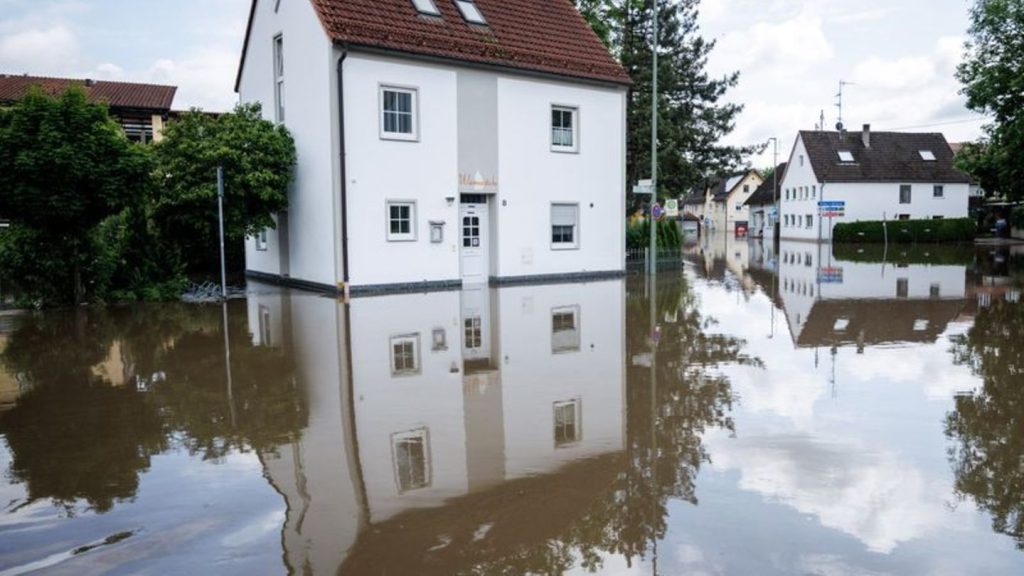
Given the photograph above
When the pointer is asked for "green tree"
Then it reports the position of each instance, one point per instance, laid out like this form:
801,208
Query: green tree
257,156
65,166
598,14
992,75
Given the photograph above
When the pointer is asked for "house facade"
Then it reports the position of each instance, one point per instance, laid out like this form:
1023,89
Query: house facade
141,109
727,206
877,175
440,142
763,204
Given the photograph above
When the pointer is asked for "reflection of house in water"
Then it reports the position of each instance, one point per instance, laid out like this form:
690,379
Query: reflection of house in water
422,404
717,254
10,388
831,302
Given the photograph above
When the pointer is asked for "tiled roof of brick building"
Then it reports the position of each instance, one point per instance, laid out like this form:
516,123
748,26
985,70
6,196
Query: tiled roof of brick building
891,157
114,94
547,36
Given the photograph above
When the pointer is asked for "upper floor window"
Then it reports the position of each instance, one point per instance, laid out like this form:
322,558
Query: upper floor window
563,129
398,109
904,193
405,355
938,191
279,78
564,226
426,7
470,12
261,240
565,329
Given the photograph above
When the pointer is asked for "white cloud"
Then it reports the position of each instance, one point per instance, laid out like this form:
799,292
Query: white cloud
204,78
28,50
788,45
901,73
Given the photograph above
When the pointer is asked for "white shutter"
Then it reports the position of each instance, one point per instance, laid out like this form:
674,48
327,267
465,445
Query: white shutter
564,214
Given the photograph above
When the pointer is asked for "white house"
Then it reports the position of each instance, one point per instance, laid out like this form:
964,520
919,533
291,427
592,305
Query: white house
878,175
762,205
722,204
440,142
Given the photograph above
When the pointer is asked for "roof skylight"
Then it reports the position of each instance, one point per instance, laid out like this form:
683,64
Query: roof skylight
845,156
426,7
927,155
470,12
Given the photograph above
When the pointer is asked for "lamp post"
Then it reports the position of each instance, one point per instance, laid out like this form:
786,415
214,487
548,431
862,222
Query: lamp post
775,183
653,249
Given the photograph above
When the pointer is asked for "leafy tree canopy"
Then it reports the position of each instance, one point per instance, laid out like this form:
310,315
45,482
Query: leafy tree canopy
992,75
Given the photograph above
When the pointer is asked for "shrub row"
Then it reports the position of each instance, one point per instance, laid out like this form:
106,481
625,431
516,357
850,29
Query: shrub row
907,231
667,232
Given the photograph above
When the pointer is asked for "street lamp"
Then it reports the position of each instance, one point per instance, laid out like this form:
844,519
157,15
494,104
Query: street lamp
775,183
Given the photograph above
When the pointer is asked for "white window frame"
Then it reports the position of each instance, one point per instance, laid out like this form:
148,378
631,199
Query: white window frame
938,191
927,155
423,435
846,156
261,241
409,236
577,409
575,112
574,311
403,339
910,194
471,12
427,7
575,244
279,86
385,134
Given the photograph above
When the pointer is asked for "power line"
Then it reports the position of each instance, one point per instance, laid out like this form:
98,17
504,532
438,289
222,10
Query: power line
949,123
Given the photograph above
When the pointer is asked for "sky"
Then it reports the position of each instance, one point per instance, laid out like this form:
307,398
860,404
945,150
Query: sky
791,55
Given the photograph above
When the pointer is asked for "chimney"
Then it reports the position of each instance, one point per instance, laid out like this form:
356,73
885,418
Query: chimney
89,82
866,136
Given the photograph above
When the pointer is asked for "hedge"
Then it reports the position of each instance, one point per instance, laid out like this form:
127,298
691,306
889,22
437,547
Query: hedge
907,231
668,236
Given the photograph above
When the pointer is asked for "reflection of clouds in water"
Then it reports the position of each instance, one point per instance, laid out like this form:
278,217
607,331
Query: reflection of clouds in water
831,565
873,496
615,565
695,563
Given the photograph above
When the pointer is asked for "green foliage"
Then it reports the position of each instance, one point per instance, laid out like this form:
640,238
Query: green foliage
1017,217
992,74
948,255
65,166
598,14
667,234
257,157
905,231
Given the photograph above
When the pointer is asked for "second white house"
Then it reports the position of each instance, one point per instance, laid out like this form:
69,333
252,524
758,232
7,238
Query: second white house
875,175
440,142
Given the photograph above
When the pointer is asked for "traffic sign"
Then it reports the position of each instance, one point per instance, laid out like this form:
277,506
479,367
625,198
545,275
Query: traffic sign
832,204
644,187
672,208
657,211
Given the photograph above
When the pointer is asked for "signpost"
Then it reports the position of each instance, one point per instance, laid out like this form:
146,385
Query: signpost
672,208
644,187
830,209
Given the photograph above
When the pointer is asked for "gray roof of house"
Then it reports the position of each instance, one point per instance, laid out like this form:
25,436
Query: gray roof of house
892,157
764,193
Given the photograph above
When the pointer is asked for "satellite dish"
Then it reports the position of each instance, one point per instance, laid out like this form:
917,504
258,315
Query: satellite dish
839,126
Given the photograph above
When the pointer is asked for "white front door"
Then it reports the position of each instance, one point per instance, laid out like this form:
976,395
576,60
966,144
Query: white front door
473,239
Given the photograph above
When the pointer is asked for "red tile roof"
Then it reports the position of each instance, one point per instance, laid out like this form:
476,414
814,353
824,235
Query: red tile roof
115,94
547,36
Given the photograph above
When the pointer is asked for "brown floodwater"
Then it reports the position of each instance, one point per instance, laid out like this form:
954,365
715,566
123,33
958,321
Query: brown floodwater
799,410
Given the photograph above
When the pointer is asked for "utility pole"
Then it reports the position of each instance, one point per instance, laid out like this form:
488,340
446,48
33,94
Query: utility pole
220,217
775,184
653,249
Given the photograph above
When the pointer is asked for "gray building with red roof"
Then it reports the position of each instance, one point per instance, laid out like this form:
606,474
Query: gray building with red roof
834,177
141,109
440,142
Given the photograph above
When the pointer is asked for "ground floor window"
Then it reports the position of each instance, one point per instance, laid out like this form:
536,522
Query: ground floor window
809,221
411,459
261,241
401,221
904,216
405,355
567,422
564,226
565,329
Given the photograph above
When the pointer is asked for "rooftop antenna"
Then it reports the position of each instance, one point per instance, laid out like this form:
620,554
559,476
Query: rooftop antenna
839,103
821,123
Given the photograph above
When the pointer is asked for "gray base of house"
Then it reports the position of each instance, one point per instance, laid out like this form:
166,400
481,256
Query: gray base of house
432,286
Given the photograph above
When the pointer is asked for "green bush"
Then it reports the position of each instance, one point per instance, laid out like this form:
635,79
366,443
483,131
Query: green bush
667,232
906,231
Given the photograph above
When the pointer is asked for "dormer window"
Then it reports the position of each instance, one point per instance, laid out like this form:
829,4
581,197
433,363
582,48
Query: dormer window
927,155
845,156
470,12
426,7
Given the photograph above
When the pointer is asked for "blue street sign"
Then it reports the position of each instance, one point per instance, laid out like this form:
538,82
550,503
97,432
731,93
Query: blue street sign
832,204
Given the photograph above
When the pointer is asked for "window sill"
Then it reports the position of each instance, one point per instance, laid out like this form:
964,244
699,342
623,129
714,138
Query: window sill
565,247
398,137
565,150
401,239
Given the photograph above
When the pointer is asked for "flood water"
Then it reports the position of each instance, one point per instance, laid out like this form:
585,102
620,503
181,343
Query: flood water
799,411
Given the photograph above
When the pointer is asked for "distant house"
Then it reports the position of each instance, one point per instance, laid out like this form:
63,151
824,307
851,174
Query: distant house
762,204
890,175
727,209
440,143
141,109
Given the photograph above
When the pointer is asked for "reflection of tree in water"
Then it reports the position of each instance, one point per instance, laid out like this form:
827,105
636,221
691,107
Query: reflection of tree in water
83,430
664,451
75,434
988,427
